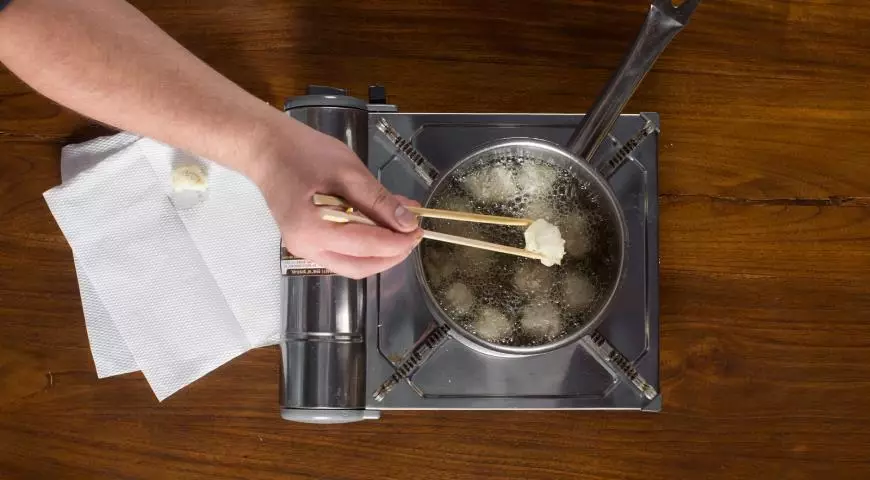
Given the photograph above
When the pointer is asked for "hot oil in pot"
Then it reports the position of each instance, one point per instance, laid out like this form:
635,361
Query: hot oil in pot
512,300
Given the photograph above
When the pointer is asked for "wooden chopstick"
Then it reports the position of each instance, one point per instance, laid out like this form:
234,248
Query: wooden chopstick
474,243
470,217
328,200
338,216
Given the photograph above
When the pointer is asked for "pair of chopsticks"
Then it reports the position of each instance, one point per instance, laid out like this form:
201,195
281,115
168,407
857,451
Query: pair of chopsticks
330,206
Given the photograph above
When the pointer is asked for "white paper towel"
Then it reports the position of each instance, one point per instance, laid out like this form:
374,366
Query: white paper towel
175,292
110,352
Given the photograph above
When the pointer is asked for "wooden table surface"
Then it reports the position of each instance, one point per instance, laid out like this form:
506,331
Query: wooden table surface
765,249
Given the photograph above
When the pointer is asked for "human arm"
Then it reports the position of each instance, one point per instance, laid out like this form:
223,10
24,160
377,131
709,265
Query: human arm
106,60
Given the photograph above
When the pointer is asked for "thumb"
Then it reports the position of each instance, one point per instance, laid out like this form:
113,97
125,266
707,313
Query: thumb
365,193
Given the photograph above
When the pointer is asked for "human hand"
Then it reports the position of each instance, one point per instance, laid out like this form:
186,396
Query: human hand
310,162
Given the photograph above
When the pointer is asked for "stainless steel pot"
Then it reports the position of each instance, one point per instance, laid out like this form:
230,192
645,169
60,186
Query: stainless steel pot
663,22
553,154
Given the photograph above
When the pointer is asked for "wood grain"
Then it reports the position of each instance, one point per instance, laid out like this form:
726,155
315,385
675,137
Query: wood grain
765,249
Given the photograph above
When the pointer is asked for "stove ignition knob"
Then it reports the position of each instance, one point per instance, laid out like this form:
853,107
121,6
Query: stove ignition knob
377,95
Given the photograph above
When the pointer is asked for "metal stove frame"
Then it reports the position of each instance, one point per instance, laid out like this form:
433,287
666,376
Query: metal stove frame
616,368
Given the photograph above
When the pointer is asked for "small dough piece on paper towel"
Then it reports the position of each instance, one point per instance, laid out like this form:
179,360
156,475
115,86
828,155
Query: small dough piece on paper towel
189,185
189,178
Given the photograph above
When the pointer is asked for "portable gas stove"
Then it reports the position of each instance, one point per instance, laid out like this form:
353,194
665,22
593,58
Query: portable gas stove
353,349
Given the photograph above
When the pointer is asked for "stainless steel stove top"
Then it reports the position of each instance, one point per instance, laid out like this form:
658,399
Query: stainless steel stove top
616,368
